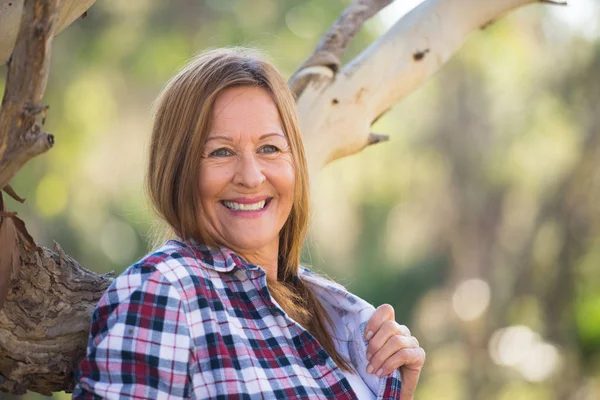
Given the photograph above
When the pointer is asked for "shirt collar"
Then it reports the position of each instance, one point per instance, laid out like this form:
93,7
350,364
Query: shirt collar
220,259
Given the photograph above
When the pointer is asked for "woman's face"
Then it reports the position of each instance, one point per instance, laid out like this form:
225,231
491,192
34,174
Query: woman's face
246,181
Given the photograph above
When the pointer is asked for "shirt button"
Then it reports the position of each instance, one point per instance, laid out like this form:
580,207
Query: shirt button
276,311
322,358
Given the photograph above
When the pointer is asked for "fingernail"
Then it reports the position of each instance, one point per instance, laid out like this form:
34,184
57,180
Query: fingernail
380,372
369,369
369,335
369,356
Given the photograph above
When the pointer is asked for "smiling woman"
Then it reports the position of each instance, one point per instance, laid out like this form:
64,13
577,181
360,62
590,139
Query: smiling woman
223,309
246,179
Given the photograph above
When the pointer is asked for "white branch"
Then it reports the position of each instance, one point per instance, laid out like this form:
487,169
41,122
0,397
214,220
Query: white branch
336,114
10,19
326,58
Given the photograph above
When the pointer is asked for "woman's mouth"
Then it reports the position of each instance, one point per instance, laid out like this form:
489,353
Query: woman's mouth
235,206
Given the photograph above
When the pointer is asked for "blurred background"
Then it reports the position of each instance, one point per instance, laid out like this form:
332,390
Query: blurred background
479,221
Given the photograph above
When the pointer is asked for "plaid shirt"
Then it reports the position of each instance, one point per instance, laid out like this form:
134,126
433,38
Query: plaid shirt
188,321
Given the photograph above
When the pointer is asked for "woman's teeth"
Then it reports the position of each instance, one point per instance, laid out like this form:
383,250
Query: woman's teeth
245,207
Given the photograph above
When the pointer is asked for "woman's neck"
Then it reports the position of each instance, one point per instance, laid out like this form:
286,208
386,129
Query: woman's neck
266,257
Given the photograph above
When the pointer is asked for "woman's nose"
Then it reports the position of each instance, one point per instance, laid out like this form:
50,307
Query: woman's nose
248,172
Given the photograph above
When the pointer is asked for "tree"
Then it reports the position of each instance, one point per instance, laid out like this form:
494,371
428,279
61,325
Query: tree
49,297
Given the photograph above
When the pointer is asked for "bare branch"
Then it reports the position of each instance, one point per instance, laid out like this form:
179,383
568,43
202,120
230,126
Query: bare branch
21,136
334,42
375,138
418,45
387,71
11,12
11,192
555,2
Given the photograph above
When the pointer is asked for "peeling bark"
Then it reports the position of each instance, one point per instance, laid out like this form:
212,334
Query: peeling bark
21,136
45,321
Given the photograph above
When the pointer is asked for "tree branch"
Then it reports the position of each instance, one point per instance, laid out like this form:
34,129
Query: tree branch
21,136
554,2
11,12
334,43
336,114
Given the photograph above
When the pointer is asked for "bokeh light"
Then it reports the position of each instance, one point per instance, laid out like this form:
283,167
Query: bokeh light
470,299
523,349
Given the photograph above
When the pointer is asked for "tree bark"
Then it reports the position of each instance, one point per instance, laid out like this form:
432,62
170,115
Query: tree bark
45,321
21,136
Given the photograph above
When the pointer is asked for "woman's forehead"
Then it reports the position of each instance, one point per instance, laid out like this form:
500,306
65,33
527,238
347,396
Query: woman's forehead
244,110
245,102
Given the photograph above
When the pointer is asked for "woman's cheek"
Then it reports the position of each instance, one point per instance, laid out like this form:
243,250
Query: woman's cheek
285,170
214,176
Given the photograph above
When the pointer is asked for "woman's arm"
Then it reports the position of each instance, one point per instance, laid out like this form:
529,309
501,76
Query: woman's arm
139,344
391,346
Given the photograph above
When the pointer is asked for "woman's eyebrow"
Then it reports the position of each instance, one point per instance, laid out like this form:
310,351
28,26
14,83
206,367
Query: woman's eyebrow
271,134
266,135
218,137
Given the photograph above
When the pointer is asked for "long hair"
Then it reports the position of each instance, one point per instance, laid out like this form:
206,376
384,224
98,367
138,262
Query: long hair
181,125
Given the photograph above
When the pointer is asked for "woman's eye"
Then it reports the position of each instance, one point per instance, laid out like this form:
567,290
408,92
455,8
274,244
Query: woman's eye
269,149
222,152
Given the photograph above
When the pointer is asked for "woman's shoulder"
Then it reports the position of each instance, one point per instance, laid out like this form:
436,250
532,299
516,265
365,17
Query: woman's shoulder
174,263
329,291
320,280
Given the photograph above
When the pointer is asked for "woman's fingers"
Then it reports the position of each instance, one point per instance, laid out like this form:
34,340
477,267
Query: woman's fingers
410,358
384,312
391,346
387,329
386,359
413,360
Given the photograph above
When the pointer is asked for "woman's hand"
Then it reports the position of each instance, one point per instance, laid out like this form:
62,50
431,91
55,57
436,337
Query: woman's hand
391,346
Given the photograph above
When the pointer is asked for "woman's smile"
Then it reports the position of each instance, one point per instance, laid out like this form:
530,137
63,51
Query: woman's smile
247,207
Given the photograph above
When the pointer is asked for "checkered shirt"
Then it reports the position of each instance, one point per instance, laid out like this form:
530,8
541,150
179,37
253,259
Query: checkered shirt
188,321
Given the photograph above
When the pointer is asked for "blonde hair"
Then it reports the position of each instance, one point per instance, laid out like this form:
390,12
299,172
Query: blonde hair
181,125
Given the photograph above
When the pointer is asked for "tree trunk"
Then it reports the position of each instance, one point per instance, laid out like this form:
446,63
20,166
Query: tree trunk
44,323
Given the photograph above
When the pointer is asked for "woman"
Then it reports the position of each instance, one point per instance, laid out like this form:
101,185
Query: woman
225,311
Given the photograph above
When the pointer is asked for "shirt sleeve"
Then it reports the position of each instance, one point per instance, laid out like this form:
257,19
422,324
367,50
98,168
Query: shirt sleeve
139,344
